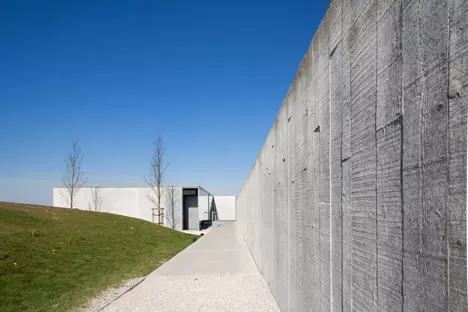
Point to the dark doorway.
(190, 209)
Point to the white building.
(193, 205)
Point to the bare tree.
(74, 177)
(96, 200)
(155, 177)
(171, 203)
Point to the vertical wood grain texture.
(363, 158)
(357, 200)
(389, 152)
(347, 304)
(458, 101)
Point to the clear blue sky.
(210, 75)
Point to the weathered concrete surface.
(217, 273)
(357, 200)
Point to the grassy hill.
(54, 259)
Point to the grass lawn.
(54, 259)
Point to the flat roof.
(140, 187)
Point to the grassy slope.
(54, 259)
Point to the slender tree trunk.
(74, 177)
(155, 177)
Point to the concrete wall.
(204, 202)
(357, 200)
(225, 207)
(126, 201)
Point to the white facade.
(135, 202)
(225, 207)
(204, 204)
(126, 201)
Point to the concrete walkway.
(216, 273)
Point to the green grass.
(54, 259)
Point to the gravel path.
(111, 294)
(216, 273)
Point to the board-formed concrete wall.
(357, 200)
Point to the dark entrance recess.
(190, 209)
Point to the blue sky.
(210, 75)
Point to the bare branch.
(74, 177)
(155, 178)
(96, 200)
(172, 201)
